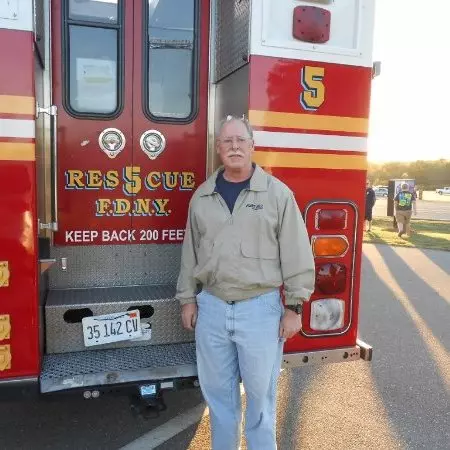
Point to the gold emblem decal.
(4, 274)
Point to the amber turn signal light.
(329, 246)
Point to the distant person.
(405, 204)
(370, 203)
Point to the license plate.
(109, 328)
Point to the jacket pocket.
(259, 250)
(260, 264)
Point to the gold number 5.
(313, 95)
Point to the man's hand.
(290, 324)
(189, 316)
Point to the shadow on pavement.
(440, 258)
(414, 394)
(68, 422)
(433, 309)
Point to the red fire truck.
(108, 111)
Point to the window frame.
(66, 23)
(195, 70)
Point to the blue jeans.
(240, 340)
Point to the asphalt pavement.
(399, 400)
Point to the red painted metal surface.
(186, 143)
(276, 86)
(78, 148)
(18, 244)
(17, 73)
(185, 154)
(19, 248)
(314, 184)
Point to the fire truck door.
(169, 114)
(131, 117)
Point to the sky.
(410, 104)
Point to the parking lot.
(432, 207)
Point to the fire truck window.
(93, 69)
(104, 11)
(171, 45)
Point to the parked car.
(443, 191)
(381, 191)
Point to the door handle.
(52, 111)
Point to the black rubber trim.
(195, 68)
(65, 59)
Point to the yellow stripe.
(16, 104)
(310, 160)
(16, 151)
(308, 121)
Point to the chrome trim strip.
(366, 350)
(109, 378)
(17, 381)
(210, 132)
(352, 274)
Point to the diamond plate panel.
(115, 265)
(115, 360)
(63, 337)
(232, 36)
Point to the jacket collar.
(258, 182)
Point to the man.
(370, 203)
(244, 239)
(405, 203)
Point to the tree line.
(429, 175)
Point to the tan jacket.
(261, 246)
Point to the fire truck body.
(108, 111)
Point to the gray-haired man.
(245, 238)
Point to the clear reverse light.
(327, 314)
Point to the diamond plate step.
(115, 366)
(62, 337)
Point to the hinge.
(50, 110)
(52, 226)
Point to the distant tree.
(429, 175)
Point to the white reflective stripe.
(310, 141)
(15, 128)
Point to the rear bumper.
(360, 351)
(19, 388)
(169, 367)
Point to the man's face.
(368, 184)
(234, 145)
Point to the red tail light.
(333, 227)
(331, 278)
(331, 219)
(311, 24)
